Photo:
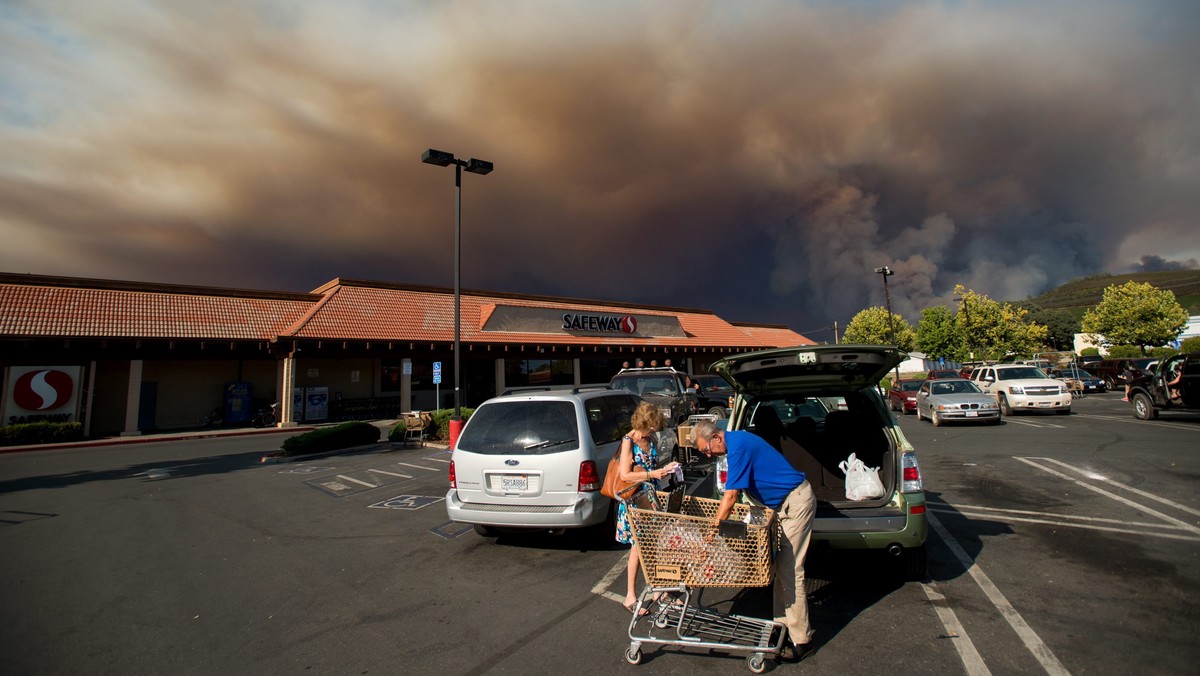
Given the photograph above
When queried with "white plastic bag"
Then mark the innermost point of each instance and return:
(862, 482)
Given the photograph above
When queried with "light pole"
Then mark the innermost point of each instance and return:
(967, 332)
(887, 299)
(444, 159)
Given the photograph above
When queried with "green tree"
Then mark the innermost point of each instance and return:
(1190, 345)
(937, 335)
(1060, 324)
(993, 330)
(1136, 314)
(871, 327)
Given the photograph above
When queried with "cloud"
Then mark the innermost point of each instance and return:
(760, 159)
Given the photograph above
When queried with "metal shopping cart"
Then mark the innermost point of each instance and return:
(681, 550)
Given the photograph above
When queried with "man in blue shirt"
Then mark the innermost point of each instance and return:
(760, 470)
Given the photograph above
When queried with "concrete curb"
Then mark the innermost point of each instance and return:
(152, 438)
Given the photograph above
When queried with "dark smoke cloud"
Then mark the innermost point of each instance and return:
(1160, 264)
(758, 159)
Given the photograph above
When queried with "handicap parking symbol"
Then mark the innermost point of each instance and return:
(407, 502)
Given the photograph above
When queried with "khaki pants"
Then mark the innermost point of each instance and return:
(790, 599)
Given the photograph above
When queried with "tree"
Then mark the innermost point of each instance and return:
(870, 327)
(993, 330)
(937, 335)
(1061, 326)
(1136, 314)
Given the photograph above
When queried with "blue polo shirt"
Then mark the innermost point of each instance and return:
(756, 467)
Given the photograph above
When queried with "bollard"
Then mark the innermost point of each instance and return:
(456, 425)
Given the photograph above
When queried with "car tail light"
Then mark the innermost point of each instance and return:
(722, 476)
(911, 473)
(589, 477)
(916, 509)
(453, 480)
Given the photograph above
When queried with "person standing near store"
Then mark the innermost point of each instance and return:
(760, 470)
(639, 462)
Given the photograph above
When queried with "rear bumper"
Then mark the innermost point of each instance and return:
(589, 509)
(873, 528)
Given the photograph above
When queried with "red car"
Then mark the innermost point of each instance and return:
(903, 395)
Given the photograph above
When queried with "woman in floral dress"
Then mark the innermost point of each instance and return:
(638, 452)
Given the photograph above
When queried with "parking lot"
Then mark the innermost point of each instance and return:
(1063, 544)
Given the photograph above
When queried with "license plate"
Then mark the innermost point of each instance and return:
(972, 414)
(513, 483)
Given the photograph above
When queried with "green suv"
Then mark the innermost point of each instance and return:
(792, 397)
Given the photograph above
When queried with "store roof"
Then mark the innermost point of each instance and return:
(342, 309)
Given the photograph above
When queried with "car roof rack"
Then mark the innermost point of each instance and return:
(573, 389)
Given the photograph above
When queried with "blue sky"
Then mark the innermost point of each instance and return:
(758, 159)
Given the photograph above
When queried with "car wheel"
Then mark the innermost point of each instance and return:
(1110, 383)
(937, 420)
(1143, 408)
(718, 411)
(919, 417)
(485, 531)
(1005, 409)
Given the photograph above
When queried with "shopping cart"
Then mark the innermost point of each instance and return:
(682, 549)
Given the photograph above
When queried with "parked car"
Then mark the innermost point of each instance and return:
(1110, 370)
(1087, 361)
(1018, 387)
(942, 373)
(1091, 383)
(664, 387)
(818, 404)
(714, 396)
(536, 459)
(1153, 392)
(903, 395)
(955, 399)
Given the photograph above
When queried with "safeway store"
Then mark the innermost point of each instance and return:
(132, 357)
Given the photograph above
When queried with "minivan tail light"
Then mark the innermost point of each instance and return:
(911, 473)
(453, 480)
(589, 477)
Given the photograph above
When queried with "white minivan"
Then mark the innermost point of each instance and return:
(535, 459)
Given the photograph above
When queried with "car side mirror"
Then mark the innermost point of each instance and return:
(989, 379)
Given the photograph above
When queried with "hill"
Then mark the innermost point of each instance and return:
(1081, 294)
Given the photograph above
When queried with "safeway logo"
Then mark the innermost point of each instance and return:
(629, 324)
(43, 390)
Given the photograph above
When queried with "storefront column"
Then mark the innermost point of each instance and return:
(133, 399)
(499, 377)
(406, 385)
(578, 375)
(286, 382)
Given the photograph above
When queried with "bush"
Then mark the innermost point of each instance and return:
(333, 438)
(40, 433)
(1161, 352)
(1190, 345)
(441, 421)
(1090, 352)
(1124, 352)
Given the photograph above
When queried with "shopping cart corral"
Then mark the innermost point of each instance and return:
(683, 551)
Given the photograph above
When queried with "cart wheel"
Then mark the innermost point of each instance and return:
(757, 663)
(633, 655)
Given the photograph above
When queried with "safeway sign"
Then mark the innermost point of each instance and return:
(42, 393)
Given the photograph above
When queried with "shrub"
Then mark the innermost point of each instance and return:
(1190, 345)
(1161, 352)
(1124, 352)
(1089, 352)
(40, 433)
(333, 438)
(441, 421)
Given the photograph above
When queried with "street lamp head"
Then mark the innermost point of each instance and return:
(440, 158)
(478, 166)
(885, 271)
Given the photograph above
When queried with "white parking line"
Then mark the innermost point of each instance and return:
(1123, 522)
(380, 471)
(1125, 501)
(361, 483)
(971, 659)
(442, 460)
(1030, 423)
(1130, 419)
(1131, 489)
(1040, 651)
(428, 469)
(1068, 524)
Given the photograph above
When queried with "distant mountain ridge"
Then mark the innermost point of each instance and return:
(1089, 291)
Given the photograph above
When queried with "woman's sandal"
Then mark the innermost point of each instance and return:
(632, 607)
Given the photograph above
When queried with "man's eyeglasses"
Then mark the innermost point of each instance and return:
(707, 447)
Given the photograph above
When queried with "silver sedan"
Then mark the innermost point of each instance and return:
(953, 399)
